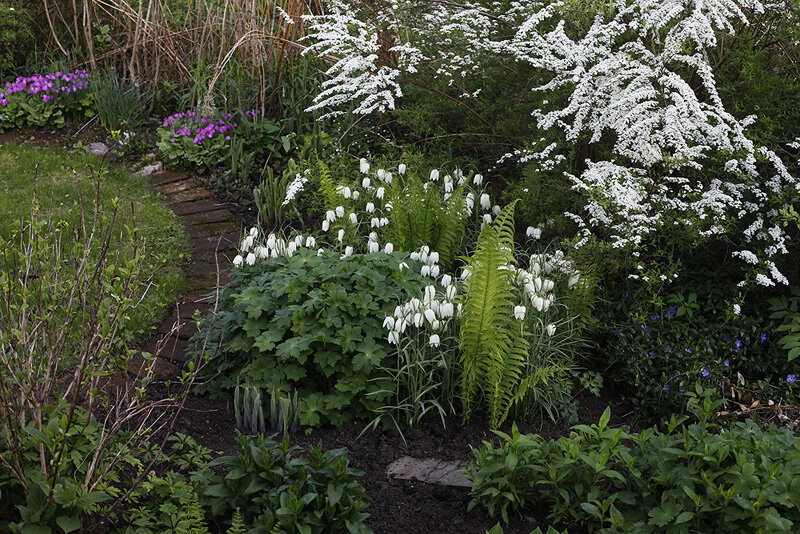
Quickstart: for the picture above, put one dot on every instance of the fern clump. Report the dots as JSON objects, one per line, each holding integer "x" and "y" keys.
{"x": 493, "y": 342}
{"x": 422, "y": 216}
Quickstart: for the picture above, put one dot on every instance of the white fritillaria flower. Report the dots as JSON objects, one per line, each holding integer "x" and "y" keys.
{"x": 496, "y": 210}
{"x": 487, "y": 219}
{"x": 238, "y": 260}
{"x": 737, "y": 309}
{"x": 486, "y": 202}
{"x": 434, "y": 340}
{"x": 388, "y": 323}
{"x": 326, "y": 225}
{"x": 341, "y": 234}
{"x": 364, "y": 166}
{"x": 478, "y": 179}
{"x": 401, "y": 168}
{"x": 380, "y": 192}
{"x": 353, "y": 218}
{"x": 373, "y": 246}
{"x": 434, "y": 175}
{"x": 365, "y": 183}
{"x": 348, "y": 251}
{"x": 403, "y": 265}
{"x": 446, "y": 280}
{"x": 251, "y": 259}
{"x": 394, "y": 337}
{"x": 389, "y": 248}
{"x": 551, "y": 329}
{"x": 519, "y": 312}
{"x": 370, "y": 207}
{"x": 339, "y": 211}
{"x": 429, "y": 315}
{"x": 254, "y": 232}
{"x": 311, "y": 242}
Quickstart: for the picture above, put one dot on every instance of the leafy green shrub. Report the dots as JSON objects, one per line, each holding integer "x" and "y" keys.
{"x": 58, "y": 497}
{"x": 242, "y": 141}
{"x": 787, "y": 310}
{"x": 16, "y": 39}
{"x": 662, "y": 340}
{"x": 686, "y": 478}
{"x": 311, "y": 323}
{"x": 45, "y": 99}
{"x": 274, "y": 489}
{"x": 168, "y": 503}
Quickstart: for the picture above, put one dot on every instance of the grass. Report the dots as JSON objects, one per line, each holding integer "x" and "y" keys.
{"x": 53, "y": 175}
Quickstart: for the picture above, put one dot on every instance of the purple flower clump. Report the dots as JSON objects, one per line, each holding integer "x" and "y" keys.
{"x": 199, "y": 129}
{"x": 46, "y": 86}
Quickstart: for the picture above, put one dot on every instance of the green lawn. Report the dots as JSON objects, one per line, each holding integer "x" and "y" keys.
{"x": 54, "y": 174}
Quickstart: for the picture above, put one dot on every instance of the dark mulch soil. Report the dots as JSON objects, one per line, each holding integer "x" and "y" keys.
{"x": 401, "y": 506}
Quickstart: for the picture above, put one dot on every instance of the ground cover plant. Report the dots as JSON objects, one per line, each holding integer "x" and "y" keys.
{"x": 45, "y": 99}
{"x": 458, "y": 217}
{"x": 687, "y": 477}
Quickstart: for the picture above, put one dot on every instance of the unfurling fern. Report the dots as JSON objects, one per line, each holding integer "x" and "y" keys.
{"x": 420, "y": 216}
{"x": 493, "y": 343}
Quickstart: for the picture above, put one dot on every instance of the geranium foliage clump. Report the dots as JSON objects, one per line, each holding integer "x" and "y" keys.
{"x": 634, "y": 85}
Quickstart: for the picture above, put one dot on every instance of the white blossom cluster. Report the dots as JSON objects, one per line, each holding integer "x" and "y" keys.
{"x": 639, "y": 78}
{"x": 253, "y": 247}
{"x": 433, "y": 312}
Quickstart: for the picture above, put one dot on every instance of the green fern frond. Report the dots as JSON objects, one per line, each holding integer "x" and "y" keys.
{"x": 493, "y": 343}
{"x": 237, "y": 525}
{"x": 327, "y": 186}
{"x": 195, "y": 522}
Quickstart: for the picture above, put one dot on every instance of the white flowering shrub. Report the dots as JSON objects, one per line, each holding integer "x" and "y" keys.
{"x": 668, "y": 158}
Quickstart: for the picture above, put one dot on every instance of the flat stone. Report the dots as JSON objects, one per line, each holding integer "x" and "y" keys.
{"x": 167, "y": 176}
{"x": 97, "y": 149}
{"x": 208, "y": 217}
{"x": 147, "y": 170}
{"x": 430, "y": 470}
{"x": 188, "y": 207}
{"x": 186, "y": 194}
{"x": 226, "y": 241}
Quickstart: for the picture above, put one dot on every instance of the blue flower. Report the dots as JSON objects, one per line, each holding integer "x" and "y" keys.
{"x": 705, "y": 372}
{"x": 665, "y": 388}
{"x": 726, "y": 363}
{"x": 791, "y": 379}
{"x": 763, "y": 337}
{"x": 738, "y": 344}
{"x": 656, "y": 317}
{"x": 688, "y": 351}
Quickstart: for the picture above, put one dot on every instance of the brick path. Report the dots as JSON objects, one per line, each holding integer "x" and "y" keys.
{"x": 209, "y": 227}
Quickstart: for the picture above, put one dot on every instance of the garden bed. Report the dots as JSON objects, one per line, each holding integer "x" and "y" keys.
{"x": 402, "y": 506}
